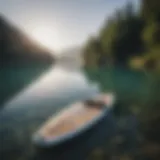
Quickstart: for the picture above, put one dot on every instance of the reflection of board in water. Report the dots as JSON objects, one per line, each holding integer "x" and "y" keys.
{"x": 73, "y": 121}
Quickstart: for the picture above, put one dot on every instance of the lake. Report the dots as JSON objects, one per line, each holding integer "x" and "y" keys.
{"x": 58, "y": 87}
{"x": 27, "y": 110}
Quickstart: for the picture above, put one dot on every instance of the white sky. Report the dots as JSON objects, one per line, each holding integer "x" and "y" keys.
{"x": 60, "y": 24}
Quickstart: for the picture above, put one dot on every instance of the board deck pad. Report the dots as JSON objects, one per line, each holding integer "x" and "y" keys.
{"x": 74, "y": 117}
{"x": 69, "y": 121}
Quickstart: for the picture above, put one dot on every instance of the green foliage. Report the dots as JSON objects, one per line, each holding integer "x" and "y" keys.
{"x": 126, "y": 34}
{"x": 92, "y": 52}
{"x": 128, "y": 40}
{"x": 150, "y": 10}
{"x": 151, "y": 34}
{"x": 119, "y": 39}
{"x": 108, "y": 38}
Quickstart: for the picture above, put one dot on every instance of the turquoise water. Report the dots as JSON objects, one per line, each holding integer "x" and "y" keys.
{"x": 12, "y": 80}
{"x": 54, "y": 90}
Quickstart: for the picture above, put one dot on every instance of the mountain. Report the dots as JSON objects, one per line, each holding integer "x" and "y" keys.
{"x": 22, "y": 60}
{"x": 18, "y": 49}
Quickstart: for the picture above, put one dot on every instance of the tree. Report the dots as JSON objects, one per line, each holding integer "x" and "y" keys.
{"x": 92, "y": 52}
{"x": 151, "y": 34}
{"x": 122, "y": 38}
{"x": 150, "y": 10}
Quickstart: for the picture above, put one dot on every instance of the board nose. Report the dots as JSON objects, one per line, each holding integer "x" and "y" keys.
{"x": 39, "y": 139}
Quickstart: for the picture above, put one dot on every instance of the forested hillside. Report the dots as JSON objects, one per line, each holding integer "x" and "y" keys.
{"x": 22, "y": 60}
{"x": 130, "y": 37}
{"x": 17, "y": 49}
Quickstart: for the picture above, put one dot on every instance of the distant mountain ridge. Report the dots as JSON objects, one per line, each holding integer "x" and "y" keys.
{"x": 16, "y": 48}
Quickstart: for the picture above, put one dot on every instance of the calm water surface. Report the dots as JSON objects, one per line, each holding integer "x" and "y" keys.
{"x": 63, "y": 84}
{"x": 23, "y": 114}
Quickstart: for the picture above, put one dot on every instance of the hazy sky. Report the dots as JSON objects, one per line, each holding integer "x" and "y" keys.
{"x": 60, "y": 23}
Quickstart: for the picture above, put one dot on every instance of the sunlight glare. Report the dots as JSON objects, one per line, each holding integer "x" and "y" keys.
{"x": 48, "y": 37}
